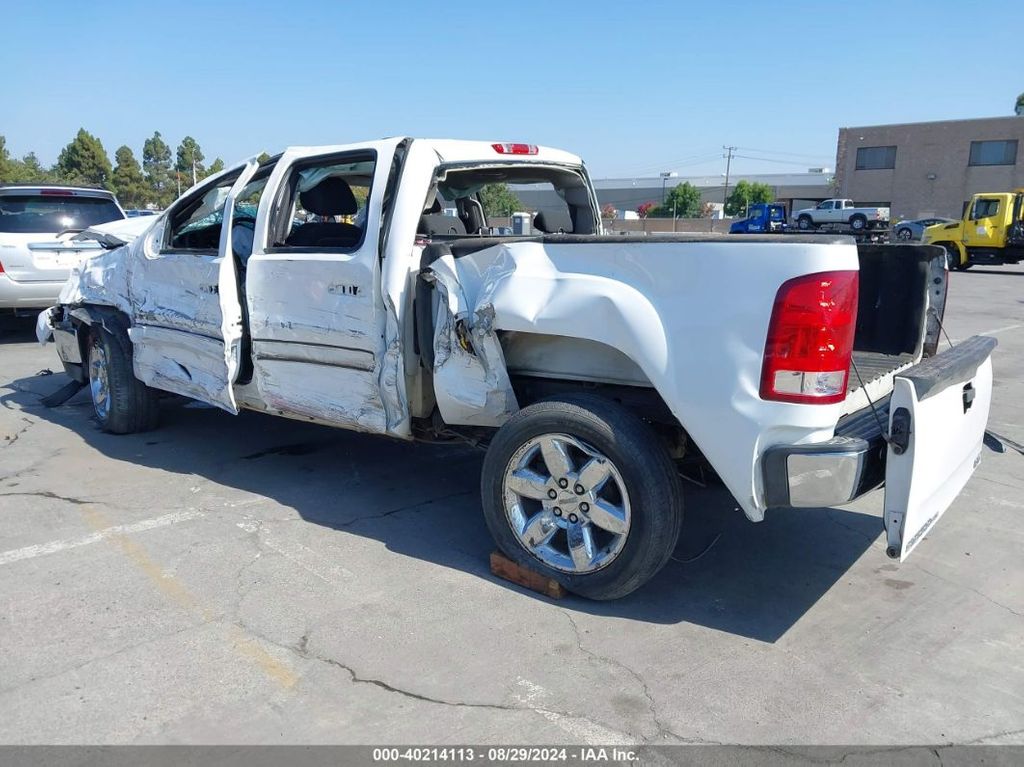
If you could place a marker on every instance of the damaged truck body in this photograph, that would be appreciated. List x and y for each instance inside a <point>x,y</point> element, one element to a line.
<point>359,286</point>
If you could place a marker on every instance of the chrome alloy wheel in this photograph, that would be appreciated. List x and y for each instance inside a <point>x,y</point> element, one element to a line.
<point>99,383</point>
<point>566,503</point>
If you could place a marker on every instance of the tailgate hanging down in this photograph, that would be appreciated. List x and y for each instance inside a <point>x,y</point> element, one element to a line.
<point>937,417</point>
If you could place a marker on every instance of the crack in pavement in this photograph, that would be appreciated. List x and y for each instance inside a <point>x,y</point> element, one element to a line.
<point>1000,734</point>
<point>51,495</point>
<point>662,729</point>
<point>407,507</point>
<point>981,594</point>
<point>8,441</point>
<point>108,656</point>
<point>302,649</point>
<point>797,754</point>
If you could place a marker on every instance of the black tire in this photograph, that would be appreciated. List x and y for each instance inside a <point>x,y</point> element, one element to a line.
<point>131,405</point>
<point>904,234</point>
<point>858,222</point>
<point>647,471</point>
<point>804,223</point>
<point>953,258</point>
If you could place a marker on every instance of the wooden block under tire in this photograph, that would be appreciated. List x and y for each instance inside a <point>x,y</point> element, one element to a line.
<point>505,568</point>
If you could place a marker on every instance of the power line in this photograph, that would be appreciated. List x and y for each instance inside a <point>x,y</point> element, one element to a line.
<point>671,164</point>
<point>779,152</point>
<point>769,159</point>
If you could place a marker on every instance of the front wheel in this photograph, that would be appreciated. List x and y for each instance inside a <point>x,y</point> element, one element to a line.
<point>581,490</point>
<point>123,404</point>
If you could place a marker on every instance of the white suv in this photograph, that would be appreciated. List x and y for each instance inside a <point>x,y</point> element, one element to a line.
<point>36,224</point>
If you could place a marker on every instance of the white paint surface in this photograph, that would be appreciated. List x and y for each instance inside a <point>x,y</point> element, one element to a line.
<point>52,547</point>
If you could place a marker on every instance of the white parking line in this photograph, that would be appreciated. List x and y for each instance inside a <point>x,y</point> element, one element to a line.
<point>38,550</point>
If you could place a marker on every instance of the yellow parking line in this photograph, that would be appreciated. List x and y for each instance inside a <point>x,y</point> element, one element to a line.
<point>178,593</point>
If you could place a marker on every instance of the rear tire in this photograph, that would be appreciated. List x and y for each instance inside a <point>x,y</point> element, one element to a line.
<point>805,223</point>
<point>122,403</point>
<point>904,234</point>
<point>604,458</point>
<point>858,223</point>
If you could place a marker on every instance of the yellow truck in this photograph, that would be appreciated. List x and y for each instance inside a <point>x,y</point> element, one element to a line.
<point>990,232</point>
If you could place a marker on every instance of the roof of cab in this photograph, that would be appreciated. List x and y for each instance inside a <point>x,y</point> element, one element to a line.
<point>456,150</point>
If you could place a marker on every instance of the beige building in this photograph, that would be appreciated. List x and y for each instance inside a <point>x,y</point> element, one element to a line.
<point>929,169</point>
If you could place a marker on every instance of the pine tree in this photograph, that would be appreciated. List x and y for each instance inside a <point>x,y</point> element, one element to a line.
<point>129,185</point>
<point>156,162</point>
<point>84,161</point>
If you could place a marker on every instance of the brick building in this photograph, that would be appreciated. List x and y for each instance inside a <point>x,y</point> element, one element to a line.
<point>931,168</point>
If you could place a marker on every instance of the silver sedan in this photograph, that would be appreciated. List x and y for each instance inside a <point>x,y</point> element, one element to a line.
<point>912,230</point>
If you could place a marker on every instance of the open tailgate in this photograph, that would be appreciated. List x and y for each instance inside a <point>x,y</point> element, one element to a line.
<point>937,418</point>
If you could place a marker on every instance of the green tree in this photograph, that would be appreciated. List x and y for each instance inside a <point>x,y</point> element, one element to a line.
<point>189,165</point>
<point>129,184</point>
<point>499,200</point>
<point>156,164</point>
<point>215,167</point>
<point>84,161</point>
<point>1019,106</point>
<point>263,158</point>
<point>745,194</point>
<point>683,201</point>
<point>5,160</point>
<point>31,170</point>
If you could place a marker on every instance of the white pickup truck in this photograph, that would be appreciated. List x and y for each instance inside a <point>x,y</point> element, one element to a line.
<point>326,284</point>
<point>839,211</point>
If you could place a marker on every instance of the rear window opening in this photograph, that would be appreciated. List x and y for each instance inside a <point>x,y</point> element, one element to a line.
<point>51,214</point>
<point>514,200</point>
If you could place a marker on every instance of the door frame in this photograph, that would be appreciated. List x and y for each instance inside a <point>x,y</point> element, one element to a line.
<point>176,357</point>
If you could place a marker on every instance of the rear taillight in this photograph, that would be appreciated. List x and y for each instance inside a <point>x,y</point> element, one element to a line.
<point>515,148</point>
<point>1,267</point>
<point>810,339</point>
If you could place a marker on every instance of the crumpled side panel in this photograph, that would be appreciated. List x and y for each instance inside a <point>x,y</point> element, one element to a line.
<point>175,361</point>
<point>471,383</point>
<point>344,396</point>
<point>102,279</point>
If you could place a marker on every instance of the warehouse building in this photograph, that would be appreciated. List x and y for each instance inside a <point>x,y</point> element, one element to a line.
<point>928,169</point>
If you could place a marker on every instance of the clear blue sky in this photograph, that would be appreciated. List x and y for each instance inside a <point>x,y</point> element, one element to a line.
<point>636,88</point>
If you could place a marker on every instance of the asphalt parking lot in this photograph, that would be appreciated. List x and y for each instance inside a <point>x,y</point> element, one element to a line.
<point>252,579</point>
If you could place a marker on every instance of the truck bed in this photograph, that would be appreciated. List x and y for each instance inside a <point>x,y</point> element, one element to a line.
<point>871,375</point>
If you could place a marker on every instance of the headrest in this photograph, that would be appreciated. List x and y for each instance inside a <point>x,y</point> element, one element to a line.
<point>437,224</point>
<point>331,197</point>
<point>553,222</point>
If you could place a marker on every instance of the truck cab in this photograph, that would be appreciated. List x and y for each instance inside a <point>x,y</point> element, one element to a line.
<point>990,232</point>
<point>761,217</point>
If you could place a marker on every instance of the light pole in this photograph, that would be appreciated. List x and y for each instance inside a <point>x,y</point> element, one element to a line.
<point>665,176</point>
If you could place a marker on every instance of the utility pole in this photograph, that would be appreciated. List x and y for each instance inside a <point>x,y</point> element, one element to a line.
<point>728,162</point>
